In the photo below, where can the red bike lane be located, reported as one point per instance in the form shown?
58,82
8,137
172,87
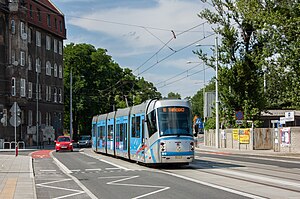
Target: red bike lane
41,154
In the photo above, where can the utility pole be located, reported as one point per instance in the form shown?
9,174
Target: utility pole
217,97
37,106
71,113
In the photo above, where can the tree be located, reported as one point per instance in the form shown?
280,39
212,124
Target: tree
99,85
248,41
198,101
172,95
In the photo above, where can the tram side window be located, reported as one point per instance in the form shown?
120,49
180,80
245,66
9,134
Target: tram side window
94,130
110,133
136,131
133,127
102,131
151,123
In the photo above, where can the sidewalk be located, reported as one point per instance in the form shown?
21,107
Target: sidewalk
270,153
16,177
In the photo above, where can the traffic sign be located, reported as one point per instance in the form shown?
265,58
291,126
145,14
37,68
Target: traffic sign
239,115
239,121
13,122
15,108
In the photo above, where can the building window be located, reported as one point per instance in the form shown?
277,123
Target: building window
60,72
59,95
60,48
13,57
30,11
48,42
48,68
48,119
13,86
22,28
29,36
48,93
29,63
38,65
23,58
30,118
49,20
13,27
55,45
55,23
60,26
38,39
55,70
55,94
23,87
29,90
39,15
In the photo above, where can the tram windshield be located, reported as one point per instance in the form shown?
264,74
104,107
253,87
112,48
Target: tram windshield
174,121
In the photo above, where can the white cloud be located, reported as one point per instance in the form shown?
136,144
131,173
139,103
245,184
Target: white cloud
167,14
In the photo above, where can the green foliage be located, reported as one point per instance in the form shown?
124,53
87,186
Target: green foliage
99,85
197,100
255,35
172,95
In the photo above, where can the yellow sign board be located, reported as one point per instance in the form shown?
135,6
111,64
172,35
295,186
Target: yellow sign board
242,135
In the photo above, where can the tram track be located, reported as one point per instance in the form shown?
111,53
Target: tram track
219,174
238,163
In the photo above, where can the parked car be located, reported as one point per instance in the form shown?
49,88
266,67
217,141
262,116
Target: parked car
85,141
63,143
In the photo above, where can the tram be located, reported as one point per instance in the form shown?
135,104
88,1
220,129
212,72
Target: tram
156,131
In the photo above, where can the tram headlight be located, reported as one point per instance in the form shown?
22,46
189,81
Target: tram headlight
192,146
162,146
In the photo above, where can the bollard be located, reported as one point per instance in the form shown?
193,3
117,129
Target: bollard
17,151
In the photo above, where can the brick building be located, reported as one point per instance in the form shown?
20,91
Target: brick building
31,69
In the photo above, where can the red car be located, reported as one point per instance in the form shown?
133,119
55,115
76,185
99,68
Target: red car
63,143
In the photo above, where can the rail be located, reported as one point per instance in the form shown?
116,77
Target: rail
8,145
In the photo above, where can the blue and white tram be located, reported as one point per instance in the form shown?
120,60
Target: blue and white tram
156,131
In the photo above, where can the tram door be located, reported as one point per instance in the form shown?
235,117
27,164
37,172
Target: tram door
136,137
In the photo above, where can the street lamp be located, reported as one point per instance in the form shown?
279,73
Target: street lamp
217,96
217,91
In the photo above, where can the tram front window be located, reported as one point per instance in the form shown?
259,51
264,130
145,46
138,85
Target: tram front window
174,121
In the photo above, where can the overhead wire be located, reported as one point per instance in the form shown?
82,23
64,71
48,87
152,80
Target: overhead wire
183,77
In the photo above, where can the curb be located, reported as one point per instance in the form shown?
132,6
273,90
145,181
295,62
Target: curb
276,154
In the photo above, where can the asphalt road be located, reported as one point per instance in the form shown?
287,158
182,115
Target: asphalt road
85,174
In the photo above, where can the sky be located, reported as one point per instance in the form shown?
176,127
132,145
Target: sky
154,38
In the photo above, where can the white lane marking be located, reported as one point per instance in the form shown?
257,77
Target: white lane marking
124,178
114,168
113,164
46,185
56,181
91,162
64,168
214,186
108,162
75,170
61,165
66,196
257,177
47,170
93,169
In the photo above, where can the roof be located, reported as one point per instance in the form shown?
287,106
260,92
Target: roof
50,4
279,112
